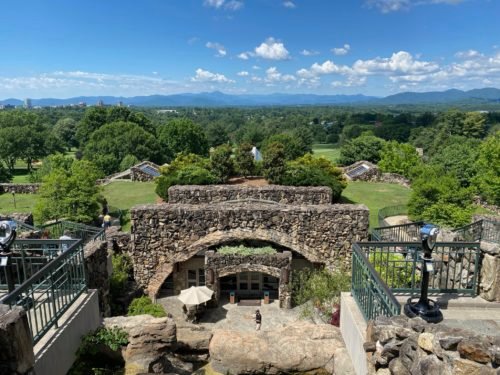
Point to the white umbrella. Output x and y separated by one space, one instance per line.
195 295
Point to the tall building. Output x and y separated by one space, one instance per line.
100 103
27 103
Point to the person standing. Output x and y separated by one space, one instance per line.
258 320
107 221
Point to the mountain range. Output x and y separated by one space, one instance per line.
219 99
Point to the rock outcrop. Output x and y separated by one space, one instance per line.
152 342
301 347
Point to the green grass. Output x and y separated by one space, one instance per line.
125 195
375 196
24 203
20 176
329 151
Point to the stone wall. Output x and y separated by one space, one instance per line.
19 188
97 272
276 193
399 345
272 264
394 178
371 174
16 348
137 174
168 233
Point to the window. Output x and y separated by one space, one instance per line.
195 277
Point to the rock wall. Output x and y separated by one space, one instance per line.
371 174
19 188
399 345
168 233
275 265
276 193
16 348
394 178
97 272
137 174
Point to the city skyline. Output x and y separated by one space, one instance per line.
373 47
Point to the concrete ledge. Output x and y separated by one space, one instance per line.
353 329
55 352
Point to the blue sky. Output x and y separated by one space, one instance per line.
61 48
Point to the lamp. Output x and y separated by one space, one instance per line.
425 308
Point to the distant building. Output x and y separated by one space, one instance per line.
27 103
167 111
120 104
100 103
82 104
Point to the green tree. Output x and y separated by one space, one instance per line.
474 125
50 163
217 134
93 119
221 163
365 147
273 163
128 161
112 142
5 175
293 147
182 135
244 160
71 194
65 131
487 179
398 158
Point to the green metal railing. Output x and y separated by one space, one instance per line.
391 211
398 264
50 291
482 230
84 232
372 295
398 233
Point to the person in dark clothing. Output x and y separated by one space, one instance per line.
258 320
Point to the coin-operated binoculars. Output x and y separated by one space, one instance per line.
7 237
425 308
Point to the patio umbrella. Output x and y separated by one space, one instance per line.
195 295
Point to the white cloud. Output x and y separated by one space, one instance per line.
401 62
289 4
255 67
206 76
222 4
342 50
221 51
328 67
351 81
468 54
243 73
244 56
309 52
273 75
272 50
387 6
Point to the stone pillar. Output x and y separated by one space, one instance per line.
285 289
212 281
96 269
489 287
16 347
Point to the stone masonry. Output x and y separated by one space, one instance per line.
168 233
276 193
97 272
272 264
19 188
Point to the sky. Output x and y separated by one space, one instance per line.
61 48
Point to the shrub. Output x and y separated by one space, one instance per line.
221 164
321 287
365 147
144 305
398 158
273 164
122 267
394 270
243 160
128 161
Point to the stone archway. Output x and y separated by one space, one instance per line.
277 265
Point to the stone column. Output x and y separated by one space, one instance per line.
214 285
16 347
96 269
285 288
489 287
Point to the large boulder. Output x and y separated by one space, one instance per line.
300 347
193 338
152 342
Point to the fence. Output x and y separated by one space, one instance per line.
398 264
398 233
390 211
372 295
482 230
84 232
50 291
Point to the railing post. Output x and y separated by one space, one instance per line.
53 298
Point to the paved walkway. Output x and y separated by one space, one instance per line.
234 317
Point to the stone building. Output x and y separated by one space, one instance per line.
174 245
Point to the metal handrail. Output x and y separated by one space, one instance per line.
391 211
49 293
482 230
372 295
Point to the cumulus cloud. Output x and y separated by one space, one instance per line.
223 4
469 54
309 52
243 73
273 75
387 6
221 51
244 56
342 50
328 67
272 49
401 62
206 76
289 4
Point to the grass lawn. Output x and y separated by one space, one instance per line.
125 195
329 151
24 203
375 196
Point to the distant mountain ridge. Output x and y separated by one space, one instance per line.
219 99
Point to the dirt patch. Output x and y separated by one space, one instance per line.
250 181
